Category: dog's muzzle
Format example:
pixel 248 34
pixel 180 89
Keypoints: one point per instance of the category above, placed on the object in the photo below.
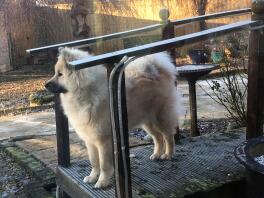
pixel 54 87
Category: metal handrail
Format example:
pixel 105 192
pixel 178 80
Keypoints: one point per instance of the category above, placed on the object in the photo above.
pixel 160 45
pixel 212 16
pixel 135 31
pixel 93 40
pixel 118 107
pixel 117 88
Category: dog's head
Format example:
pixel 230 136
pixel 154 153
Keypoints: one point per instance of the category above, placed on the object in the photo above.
pixel 64 79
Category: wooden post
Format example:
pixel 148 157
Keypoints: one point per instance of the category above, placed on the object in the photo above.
pixel 79 12
pixel 255 103
pixel 167 30
pixel 193 108
pixel 167 33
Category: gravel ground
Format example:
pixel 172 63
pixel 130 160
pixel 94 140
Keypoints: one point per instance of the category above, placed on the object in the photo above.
pixel 204 126
pixel 15 94
pixel 16 86
pixel 12 178
pixel 213 126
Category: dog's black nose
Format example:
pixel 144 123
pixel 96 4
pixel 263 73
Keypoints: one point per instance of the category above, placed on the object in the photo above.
pixel 54 87
pixel 48 86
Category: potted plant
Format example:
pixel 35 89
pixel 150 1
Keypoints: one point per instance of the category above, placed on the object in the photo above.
pixel 217 52
pixel 198 56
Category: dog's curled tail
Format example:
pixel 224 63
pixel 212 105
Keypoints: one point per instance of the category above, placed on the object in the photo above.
pixel 152 66
pixel 163 61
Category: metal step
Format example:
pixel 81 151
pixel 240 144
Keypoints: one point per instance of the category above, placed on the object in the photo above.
pixel 199 164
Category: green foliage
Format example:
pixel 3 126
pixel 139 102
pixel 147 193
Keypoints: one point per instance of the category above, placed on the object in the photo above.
pixel 40 98
pixel 230 90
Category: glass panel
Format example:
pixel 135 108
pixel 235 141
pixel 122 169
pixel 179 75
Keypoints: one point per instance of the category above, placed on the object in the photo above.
pixel 210 85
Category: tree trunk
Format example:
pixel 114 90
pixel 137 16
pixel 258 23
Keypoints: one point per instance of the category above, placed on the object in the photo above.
pixel 200 9
pixel 79 12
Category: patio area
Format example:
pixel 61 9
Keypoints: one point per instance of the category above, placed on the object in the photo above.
pixel 200 164
pixel 206 162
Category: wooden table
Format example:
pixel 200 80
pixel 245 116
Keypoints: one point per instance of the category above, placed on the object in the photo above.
pixel 192 73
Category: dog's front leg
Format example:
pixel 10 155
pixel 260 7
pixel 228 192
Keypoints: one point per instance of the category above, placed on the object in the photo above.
pixel 169 145
pixel 106 163
pixel 94 160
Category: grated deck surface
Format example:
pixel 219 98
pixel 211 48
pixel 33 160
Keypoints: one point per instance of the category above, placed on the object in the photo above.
pixel 199 163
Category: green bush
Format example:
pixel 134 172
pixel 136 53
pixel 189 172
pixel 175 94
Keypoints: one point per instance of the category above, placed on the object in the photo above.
pixel 40 97
pixel 230 89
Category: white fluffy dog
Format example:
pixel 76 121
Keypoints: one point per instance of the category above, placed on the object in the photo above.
pixel 152 103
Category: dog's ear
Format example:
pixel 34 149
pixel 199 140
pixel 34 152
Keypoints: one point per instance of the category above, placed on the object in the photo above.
pixel 60 49
pixel 67 54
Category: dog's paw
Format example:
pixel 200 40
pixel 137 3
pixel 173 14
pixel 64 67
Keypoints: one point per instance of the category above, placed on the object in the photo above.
pixel 165 156
pixel 90 179
pixel 102 184
pixel 154 156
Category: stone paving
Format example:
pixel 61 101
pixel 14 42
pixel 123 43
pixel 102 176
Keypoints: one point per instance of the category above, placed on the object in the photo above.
pixel 44 148
pixel 26 125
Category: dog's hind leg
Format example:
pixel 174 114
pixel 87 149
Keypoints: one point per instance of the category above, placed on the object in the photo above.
pixel 94 160
pixel 167 122
pixel 106 163
pixel 157 139
pixel 166 126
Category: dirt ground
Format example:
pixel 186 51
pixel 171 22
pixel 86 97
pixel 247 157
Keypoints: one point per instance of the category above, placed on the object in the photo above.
pixel 13 178
pixel 17 85
pixel 15 88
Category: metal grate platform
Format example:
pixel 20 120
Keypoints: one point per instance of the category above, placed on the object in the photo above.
pixel 200 163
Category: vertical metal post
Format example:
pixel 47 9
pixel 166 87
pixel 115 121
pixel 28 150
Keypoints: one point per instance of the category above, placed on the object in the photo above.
pixel 119 189
pixel 167 30
pixel 193 108
pixel 124 134
pixel 120 131
pixel 62 126
pixel 255 102
pixel 62 133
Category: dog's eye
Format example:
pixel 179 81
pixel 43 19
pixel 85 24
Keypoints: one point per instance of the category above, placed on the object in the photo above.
pixel 59 74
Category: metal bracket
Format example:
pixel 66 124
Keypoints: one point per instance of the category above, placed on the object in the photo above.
pixel 119 123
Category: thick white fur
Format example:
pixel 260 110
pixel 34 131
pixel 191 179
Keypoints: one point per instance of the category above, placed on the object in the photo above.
pixel 152 100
